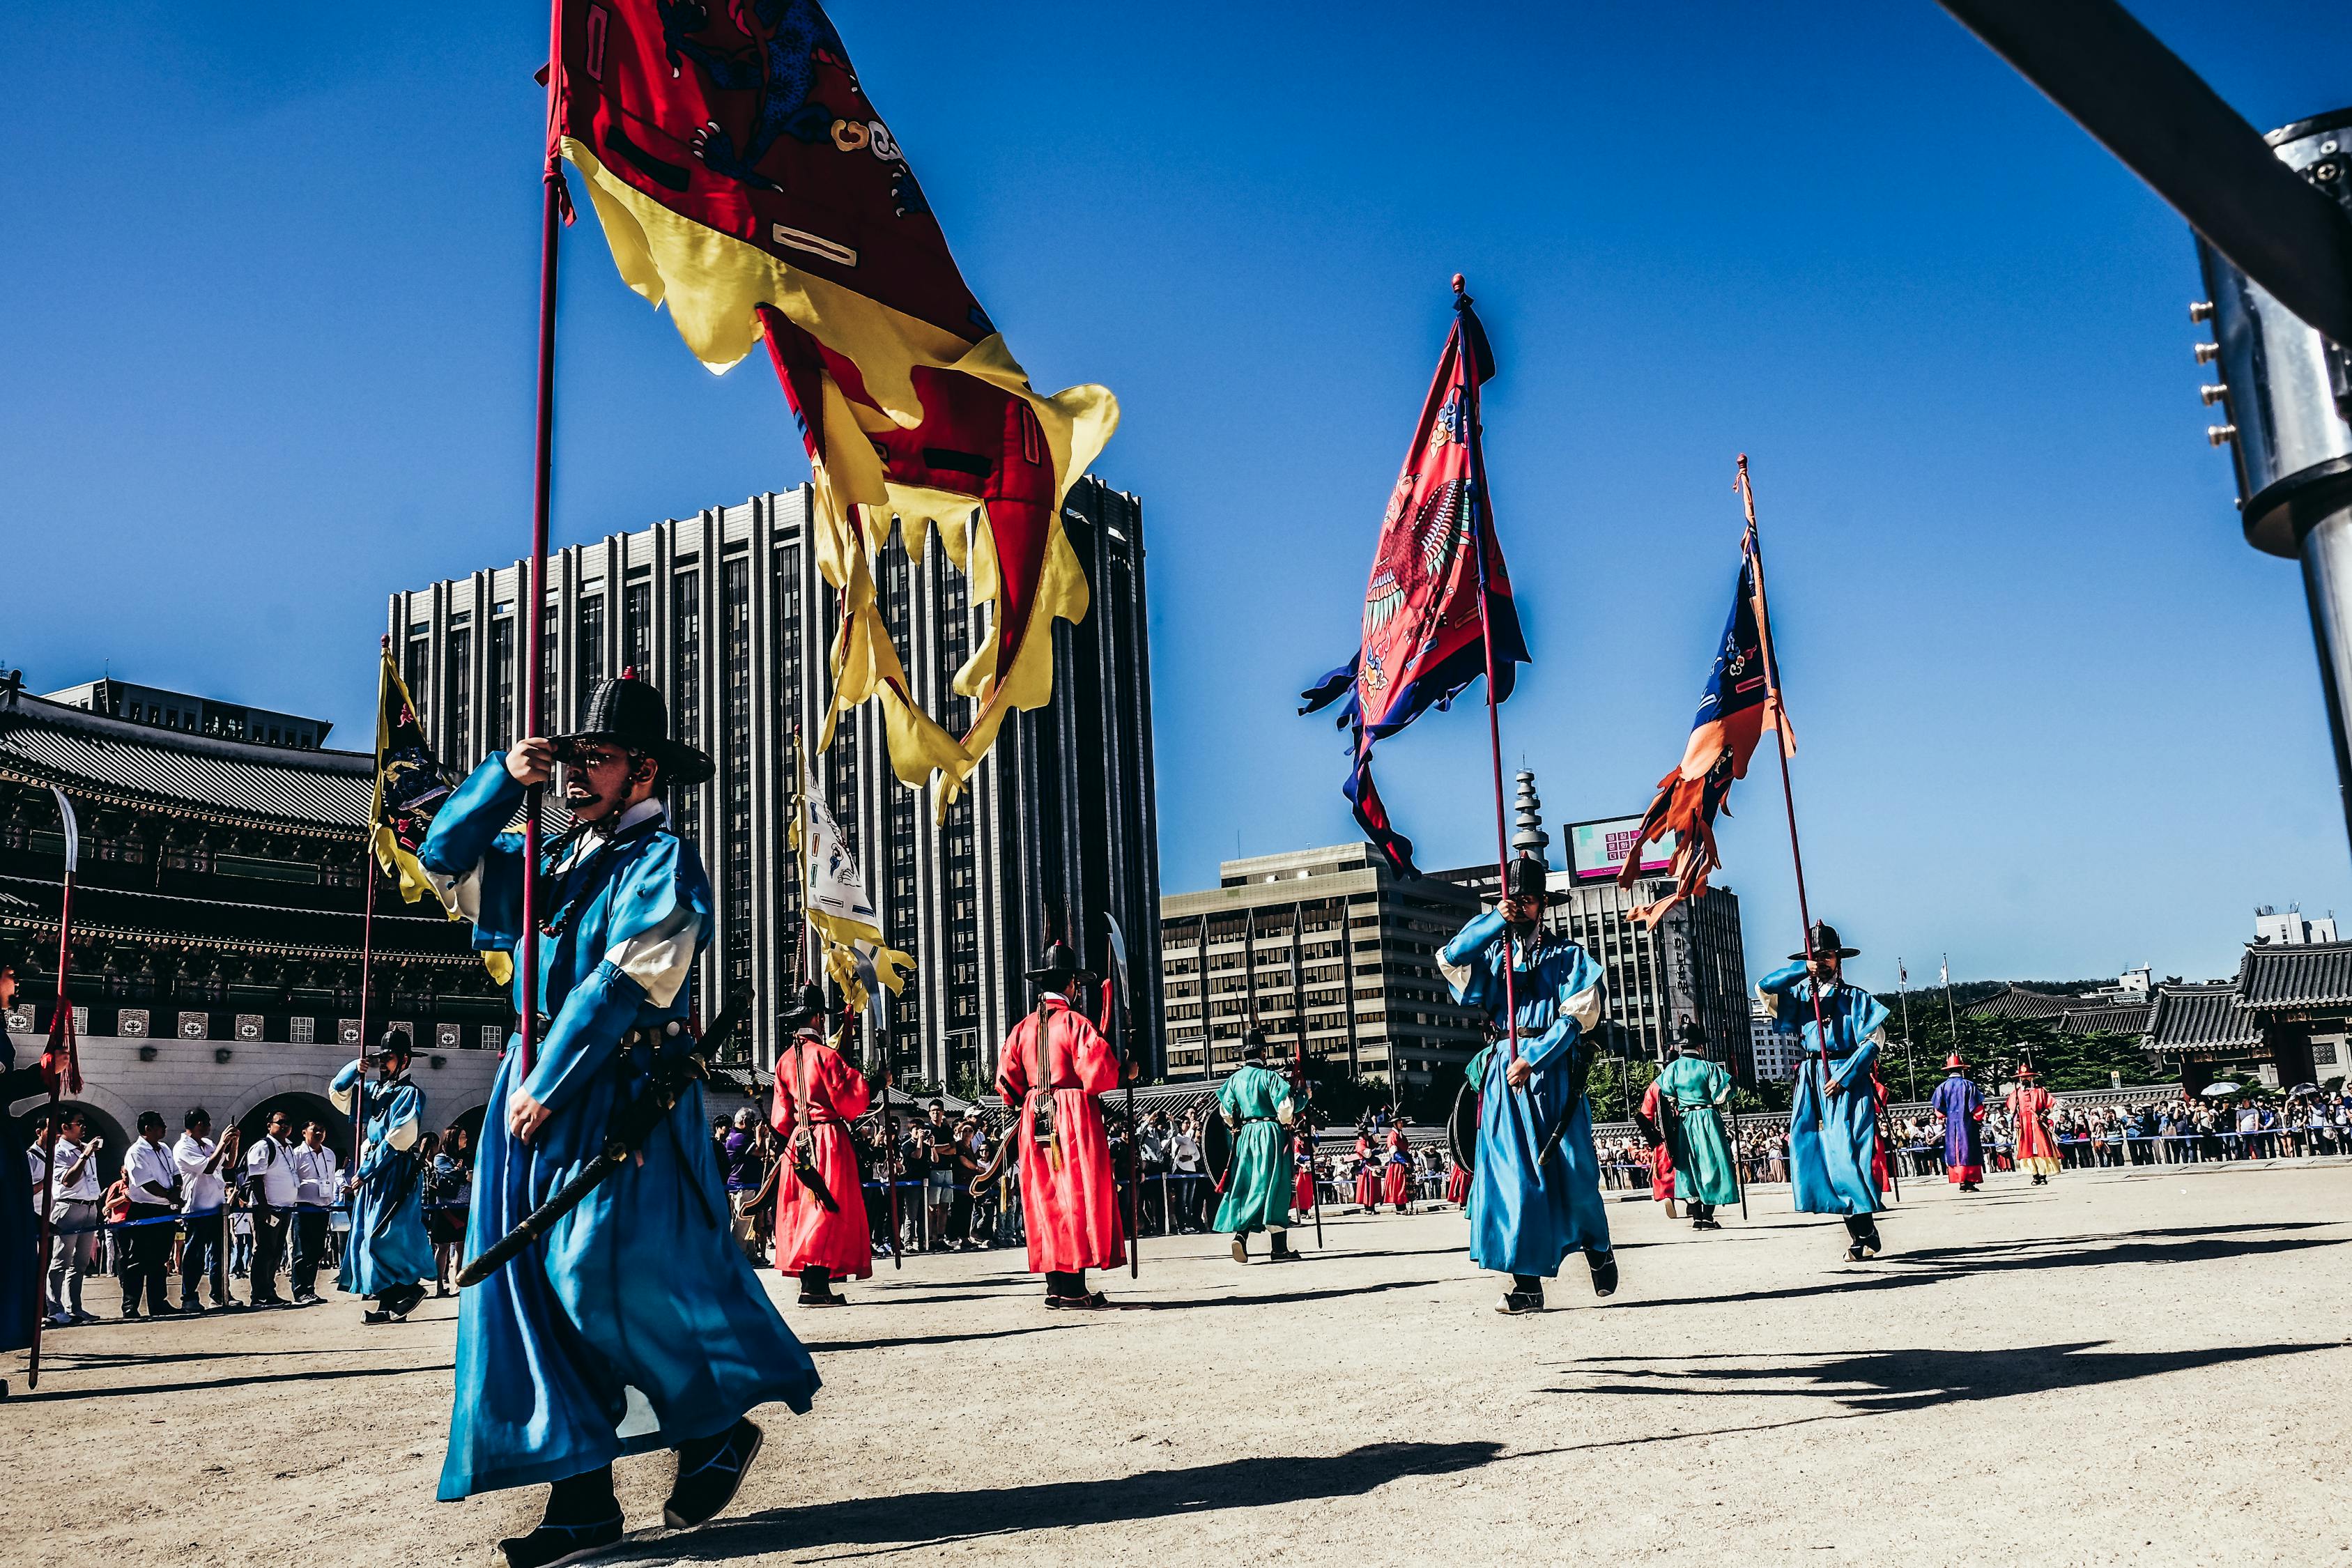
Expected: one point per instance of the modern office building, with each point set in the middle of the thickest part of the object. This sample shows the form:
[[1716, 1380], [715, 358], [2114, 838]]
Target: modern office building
[[1337, 924], [1773, 1053], [725, 611]]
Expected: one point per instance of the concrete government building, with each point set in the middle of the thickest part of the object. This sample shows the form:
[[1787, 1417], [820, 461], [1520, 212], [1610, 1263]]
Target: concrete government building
[[725, 611]]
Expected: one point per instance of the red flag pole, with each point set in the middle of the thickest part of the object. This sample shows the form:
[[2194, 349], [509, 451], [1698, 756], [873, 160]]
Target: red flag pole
[[1478, 511], [1755, 549], [535, 657], [61, 1030]]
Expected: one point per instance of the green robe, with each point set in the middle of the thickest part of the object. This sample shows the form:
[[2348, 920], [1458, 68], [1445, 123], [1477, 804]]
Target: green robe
[[1703, 1168], [1257, 1194]]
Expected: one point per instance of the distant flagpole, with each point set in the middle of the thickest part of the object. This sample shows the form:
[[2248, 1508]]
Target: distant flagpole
[[1903, 985], [553, 201], [1481, 523]]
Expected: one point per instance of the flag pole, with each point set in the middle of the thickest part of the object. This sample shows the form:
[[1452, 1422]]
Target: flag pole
[[61, 1031], [1305, 1099], [535, 716], [1789, 798], [1475, 446], [1903, 986]]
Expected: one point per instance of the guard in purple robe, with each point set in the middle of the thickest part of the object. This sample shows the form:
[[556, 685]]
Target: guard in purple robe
[[1962, 1105]]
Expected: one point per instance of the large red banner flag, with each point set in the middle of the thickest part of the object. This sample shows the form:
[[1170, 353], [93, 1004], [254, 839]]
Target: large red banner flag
[[1424, 618], [744, 179], [1733, 711]]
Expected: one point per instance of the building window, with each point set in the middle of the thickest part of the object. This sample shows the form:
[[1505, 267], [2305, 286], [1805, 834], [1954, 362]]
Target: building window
[[413, 673], [736, 611], [685, 619], [638, 629], [550, 642], [459, 716], [502, 683], [591, 646]]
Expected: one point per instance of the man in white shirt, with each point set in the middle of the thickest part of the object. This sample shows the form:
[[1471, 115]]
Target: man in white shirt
[[73, 1218], [273, 1187], [154, 1189], [313, 1165], [204, 1198]]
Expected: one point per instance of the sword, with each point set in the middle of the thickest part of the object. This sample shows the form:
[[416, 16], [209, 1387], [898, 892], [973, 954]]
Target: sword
[[631, 1126]]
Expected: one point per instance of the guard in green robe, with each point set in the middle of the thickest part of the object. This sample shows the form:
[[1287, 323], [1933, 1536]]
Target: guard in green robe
[[1258, 1104], [1694, 1090]]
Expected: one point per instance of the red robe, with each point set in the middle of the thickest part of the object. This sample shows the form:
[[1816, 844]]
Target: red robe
[[1069, 1198], [1368, 1185], [808, 1235], [1458, 1184], [2029, 1109], [1662, 1159], [1302, 1196], [1396, 1181]]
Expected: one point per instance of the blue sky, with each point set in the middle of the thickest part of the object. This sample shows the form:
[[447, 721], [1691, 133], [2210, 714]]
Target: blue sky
[[271, 272]]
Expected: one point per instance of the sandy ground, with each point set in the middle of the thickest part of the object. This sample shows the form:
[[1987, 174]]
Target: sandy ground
[[2118, 1365]]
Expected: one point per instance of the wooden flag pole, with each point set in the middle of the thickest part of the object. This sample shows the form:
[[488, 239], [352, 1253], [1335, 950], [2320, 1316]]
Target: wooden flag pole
[[1755, 549], [1521, 1116], [535, 715]]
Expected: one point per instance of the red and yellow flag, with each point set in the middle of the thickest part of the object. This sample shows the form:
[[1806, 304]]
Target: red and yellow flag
[[744, 179]]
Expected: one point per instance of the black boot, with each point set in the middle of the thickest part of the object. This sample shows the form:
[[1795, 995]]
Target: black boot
[[1856, 1228], [817, 1288], [1281, 1252], [1604, 1272], [583, 1518], [1526, 1295], [709, 1471], [1870, 1243]]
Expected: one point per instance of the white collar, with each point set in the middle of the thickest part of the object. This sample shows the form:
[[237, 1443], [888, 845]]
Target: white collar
[[651, 807]]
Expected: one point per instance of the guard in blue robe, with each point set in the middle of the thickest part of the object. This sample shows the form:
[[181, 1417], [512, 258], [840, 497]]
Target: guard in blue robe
[[1834, 1157], [1961, 1104], [389, 1254], [637, 1323], [1535, 1194]]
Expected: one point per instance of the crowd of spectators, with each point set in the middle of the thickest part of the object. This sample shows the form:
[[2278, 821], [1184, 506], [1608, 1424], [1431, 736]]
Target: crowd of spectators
[[212, 1213]]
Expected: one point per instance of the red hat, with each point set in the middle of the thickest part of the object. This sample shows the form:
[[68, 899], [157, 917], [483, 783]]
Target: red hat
[[1953, 1063], [2026, 1072]]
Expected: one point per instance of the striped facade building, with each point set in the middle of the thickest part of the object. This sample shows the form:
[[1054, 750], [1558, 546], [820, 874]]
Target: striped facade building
[[725, 611]]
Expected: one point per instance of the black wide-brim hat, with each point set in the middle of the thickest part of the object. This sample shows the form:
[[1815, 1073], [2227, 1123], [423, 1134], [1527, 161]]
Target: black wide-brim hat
[[1826, 943], [1530, 878], [630, 714], [804, 1007], [1059, 968]]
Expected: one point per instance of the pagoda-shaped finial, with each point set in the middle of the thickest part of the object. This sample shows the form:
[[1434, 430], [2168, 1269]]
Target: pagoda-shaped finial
[[1531, 839]]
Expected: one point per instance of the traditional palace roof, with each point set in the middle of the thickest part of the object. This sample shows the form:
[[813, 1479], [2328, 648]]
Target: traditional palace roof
[[2315, 976], [2017, 1002], [2198, 1020], [114, 762], [2112, 1018], [2072, 1014], [102, 913]]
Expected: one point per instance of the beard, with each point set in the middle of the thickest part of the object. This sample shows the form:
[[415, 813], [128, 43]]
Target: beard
[[587, 805]]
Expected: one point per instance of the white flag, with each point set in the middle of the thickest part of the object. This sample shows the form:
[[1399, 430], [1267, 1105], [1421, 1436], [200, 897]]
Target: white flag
[[1948, 972], [835, 885]]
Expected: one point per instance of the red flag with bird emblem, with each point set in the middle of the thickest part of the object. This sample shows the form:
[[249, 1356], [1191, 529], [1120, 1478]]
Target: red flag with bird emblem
[[1424, 611]]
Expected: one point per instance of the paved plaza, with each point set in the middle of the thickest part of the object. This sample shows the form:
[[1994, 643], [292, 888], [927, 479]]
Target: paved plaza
[[2142, 1364]]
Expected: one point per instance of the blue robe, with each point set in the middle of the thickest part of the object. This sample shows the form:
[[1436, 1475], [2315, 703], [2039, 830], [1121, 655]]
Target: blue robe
[[1833, 1140], [637, 1323], [388, 1248], [1524, 1220], [1962, 1104]]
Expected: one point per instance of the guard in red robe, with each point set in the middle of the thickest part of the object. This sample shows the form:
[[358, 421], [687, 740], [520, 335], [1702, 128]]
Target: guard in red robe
[[1457, 1182], [821, 1229], [1656, 1130], [1055, 1063], [1396, 1180], [1302, 1196], [1368, 1180], [2029, 1106]]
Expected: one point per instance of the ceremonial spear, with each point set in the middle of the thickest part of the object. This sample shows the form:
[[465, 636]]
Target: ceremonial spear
[[61, 1034], [1755, 548], [1123, 994]]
